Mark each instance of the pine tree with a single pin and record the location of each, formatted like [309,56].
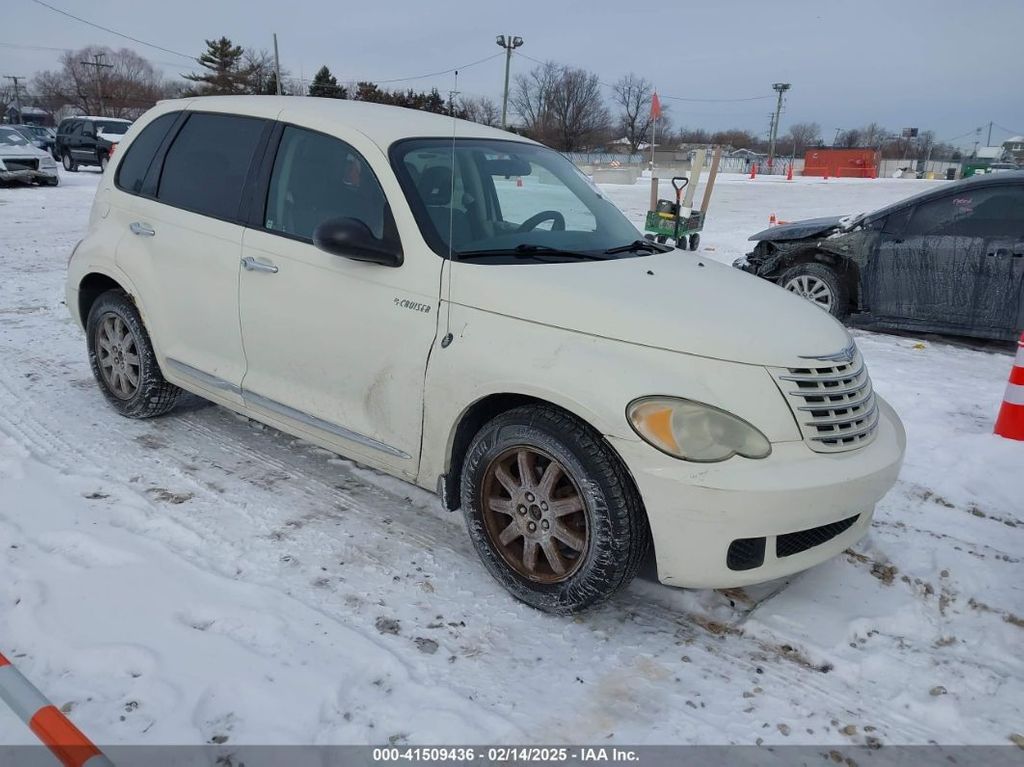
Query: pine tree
[225,74]
[326,85]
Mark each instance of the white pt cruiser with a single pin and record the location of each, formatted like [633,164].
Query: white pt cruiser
[462,308]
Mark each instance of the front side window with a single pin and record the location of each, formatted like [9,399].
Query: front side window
[206,166]
[482,195]
[986,212]
[317,178]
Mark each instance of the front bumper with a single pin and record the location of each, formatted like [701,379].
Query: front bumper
[29,174]
[696,511]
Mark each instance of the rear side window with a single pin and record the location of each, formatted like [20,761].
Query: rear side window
[134,165]
[206,166]
[986,212]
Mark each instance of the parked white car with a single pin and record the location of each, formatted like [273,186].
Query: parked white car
[462,308]
[21,160]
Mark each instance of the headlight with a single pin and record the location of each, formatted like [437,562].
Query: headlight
[693,431]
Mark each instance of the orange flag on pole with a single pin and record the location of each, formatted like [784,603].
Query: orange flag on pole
[655,106]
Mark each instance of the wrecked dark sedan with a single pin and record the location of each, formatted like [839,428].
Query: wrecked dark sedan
[950,260]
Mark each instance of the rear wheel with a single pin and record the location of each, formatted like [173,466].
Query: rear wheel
[819,284]
[694,242]
[551,511]
[69,162]
[122,359]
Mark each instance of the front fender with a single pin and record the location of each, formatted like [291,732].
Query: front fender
[591,377]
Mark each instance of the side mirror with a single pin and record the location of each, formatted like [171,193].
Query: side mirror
[351,238]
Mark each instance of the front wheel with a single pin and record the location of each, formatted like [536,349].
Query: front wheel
[123,361]
[819,284]
[69,162]
[551,510]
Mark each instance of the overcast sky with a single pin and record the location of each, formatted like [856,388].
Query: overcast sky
[948,65]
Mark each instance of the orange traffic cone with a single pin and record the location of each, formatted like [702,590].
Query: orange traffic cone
[772,221]
[1010,423]
[753,170]
[789,172]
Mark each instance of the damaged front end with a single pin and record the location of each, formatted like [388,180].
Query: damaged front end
[777,245]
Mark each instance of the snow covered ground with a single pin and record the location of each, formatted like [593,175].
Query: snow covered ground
[200,578]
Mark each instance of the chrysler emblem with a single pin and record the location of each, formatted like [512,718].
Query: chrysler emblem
[843,356]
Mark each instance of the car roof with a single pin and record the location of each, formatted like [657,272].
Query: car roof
[381,123]
[1010,178]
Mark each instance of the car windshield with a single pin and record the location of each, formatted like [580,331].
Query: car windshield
[112,128]
[11,137]
[507,197]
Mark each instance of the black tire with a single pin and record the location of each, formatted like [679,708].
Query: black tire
[151,395]
[840,304]
[70,164]
[617,531]
[694,242]
[50,181]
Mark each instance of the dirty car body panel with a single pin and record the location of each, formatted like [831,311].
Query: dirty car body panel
[950,260]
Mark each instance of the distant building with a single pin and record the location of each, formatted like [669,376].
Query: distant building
[1014,146]
[29,115]
[990,153]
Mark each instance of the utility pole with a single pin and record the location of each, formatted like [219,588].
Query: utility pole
[98,65]
[17,95]
[509,43]
[781,89]
[989,142]
[277,66]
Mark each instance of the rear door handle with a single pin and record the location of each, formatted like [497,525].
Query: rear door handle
[252,265]
[142,230]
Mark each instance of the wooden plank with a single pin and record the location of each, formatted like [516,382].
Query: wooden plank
[696,168]
[715,160]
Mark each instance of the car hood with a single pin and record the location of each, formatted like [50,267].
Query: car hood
[675,301]
[798,230]
[26,150]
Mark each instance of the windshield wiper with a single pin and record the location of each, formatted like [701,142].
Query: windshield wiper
[527,250]
[638,245]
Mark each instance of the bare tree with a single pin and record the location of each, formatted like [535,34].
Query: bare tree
[481,109]
[803,135]
[632,95]
[562,107]
[130,87]
[531,99]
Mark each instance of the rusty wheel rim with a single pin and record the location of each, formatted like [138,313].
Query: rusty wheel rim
[534,515]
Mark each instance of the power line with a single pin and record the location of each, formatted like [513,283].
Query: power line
[113,31]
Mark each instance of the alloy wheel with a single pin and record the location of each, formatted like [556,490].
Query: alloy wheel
[814,290]
[534,515]
[117,353]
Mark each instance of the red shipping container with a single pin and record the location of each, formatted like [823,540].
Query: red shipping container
[842,163]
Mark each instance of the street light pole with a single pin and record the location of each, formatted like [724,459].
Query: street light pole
[779,88]
[509,43]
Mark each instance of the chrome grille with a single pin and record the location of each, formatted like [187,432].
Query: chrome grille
[834,405]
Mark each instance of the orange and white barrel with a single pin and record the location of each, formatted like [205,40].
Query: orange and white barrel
[1010,423]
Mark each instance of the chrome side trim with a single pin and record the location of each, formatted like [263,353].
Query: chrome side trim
[211,381]
[318,423]
[288,412]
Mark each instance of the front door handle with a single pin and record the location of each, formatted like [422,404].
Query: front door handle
[142,230]
[252,265]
